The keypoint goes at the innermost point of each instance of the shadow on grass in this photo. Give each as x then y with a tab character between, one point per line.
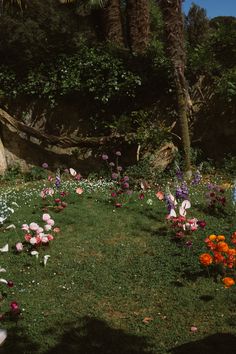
216	344
93	336
18	342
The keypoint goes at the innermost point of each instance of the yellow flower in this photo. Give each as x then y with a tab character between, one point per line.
212	237
220	238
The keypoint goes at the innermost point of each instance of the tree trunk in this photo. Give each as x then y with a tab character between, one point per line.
138	24
113	23
3	162
174	27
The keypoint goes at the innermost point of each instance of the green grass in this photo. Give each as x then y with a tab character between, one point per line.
109	270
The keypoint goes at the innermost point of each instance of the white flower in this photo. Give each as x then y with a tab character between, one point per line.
12	226
35	253
3	336
3	281
2	220
149	202
2	270
5	248
33	240
45	259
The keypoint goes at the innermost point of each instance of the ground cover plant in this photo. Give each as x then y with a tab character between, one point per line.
112	280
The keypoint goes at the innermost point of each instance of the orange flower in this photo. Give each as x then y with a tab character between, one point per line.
222	246
228	282
205	259
218	258
220	238
212	237
231	252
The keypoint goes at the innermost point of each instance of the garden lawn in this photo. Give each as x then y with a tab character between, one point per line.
115	282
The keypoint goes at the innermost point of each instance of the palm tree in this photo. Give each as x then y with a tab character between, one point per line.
138	24
174	28
109	17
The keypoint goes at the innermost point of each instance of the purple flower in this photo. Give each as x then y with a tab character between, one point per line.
58	181
125	185
126	179
182	191
104	157
179	174
196	178
118	153
45	165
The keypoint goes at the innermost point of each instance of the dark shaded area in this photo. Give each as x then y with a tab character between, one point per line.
216	344
18	342
93	336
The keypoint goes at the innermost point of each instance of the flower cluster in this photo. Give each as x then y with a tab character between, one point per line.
36	235
220	254
5	211
120	190
216	199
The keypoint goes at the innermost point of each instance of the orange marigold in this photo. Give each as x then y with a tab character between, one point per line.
228	282
222	246
205	259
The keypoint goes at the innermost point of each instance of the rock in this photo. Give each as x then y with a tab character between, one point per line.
162	157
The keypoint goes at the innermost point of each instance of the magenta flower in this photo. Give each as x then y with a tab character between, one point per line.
141	196
10	284
15	307
114	175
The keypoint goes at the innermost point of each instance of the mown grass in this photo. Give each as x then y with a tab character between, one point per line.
116	282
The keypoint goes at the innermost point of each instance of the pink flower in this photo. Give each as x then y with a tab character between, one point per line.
50	222
44	239
14	306
56	229
33	226
46	217
25	227
48	227
141	196
19	247
50	237
27	237
79	190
